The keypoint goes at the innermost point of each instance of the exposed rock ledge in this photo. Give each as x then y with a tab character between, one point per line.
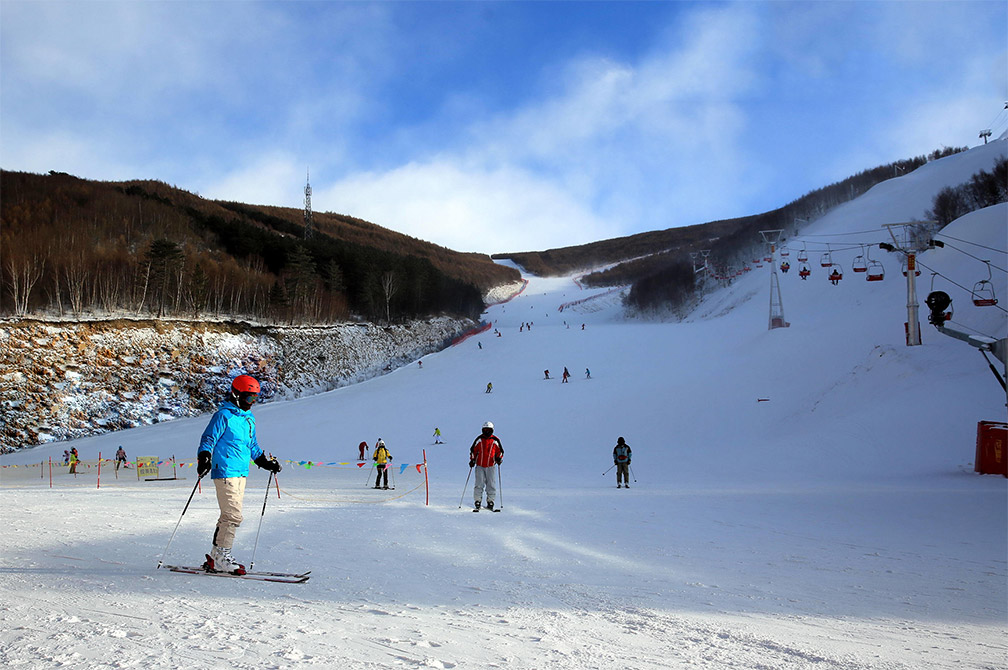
62	380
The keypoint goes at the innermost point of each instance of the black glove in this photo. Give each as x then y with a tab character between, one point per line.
498	459
203	463
472	462
271	464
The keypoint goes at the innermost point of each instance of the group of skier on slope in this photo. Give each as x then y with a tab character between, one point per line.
229	442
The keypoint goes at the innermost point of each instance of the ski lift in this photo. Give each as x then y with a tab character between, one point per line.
983	291
804	271
785	252
785	266
836	274
826	260
875	270
803	254
860	264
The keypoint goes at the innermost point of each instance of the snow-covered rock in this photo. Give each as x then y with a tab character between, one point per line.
63	380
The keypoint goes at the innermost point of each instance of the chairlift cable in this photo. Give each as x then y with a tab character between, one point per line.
1000	251
977	258
952	281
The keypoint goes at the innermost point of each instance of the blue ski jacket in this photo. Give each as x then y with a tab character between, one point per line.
230	437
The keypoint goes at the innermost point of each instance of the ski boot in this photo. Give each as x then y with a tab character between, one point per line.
490	505
477	508
220	560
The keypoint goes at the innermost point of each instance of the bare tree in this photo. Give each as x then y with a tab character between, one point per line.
75	274
389	285
24	274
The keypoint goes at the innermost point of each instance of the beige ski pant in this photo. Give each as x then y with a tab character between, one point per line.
230	492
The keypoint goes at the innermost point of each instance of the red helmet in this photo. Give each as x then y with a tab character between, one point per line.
245	384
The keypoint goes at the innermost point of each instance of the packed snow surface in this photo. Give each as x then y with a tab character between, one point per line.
801	497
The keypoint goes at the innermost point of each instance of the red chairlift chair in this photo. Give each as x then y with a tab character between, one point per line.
983	291
804	272
875	270
859	264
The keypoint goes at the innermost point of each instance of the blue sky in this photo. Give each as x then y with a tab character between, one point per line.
494	127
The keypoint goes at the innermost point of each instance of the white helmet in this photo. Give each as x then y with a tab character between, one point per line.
488	425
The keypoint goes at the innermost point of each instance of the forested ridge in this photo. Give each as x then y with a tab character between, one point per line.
76	247
658	265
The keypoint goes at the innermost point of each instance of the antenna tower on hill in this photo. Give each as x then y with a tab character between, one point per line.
309	226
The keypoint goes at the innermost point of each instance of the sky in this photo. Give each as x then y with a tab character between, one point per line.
497	126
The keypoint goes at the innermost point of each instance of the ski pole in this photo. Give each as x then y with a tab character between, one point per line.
254	546
632	473
465	487
393	476
607	471
161	562
367	481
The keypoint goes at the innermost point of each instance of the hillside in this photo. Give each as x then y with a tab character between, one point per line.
626	260
82	247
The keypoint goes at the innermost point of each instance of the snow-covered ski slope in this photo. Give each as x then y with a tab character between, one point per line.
802	498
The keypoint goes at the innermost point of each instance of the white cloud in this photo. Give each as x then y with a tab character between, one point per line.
620	147
270	180
465	209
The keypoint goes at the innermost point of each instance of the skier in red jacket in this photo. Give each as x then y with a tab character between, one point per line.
485	454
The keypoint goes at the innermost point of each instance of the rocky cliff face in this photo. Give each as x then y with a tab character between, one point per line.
63	380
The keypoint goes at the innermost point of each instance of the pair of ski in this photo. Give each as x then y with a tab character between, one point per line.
282	577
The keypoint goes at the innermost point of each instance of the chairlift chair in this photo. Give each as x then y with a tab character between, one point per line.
804	271
784	251
859	264
803	255
836	274
826	260
875	270
983	291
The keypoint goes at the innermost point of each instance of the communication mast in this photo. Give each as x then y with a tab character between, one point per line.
309	225
772	237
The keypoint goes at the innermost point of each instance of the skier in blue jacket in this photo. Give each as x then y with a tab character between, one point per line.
226	447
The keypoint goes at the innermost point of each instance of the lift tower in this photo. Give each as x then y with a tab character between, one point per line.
772	237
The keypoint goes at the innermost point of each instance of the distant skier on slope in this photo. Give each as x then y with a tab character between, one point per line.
485	454
362	447
621	455
227	445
